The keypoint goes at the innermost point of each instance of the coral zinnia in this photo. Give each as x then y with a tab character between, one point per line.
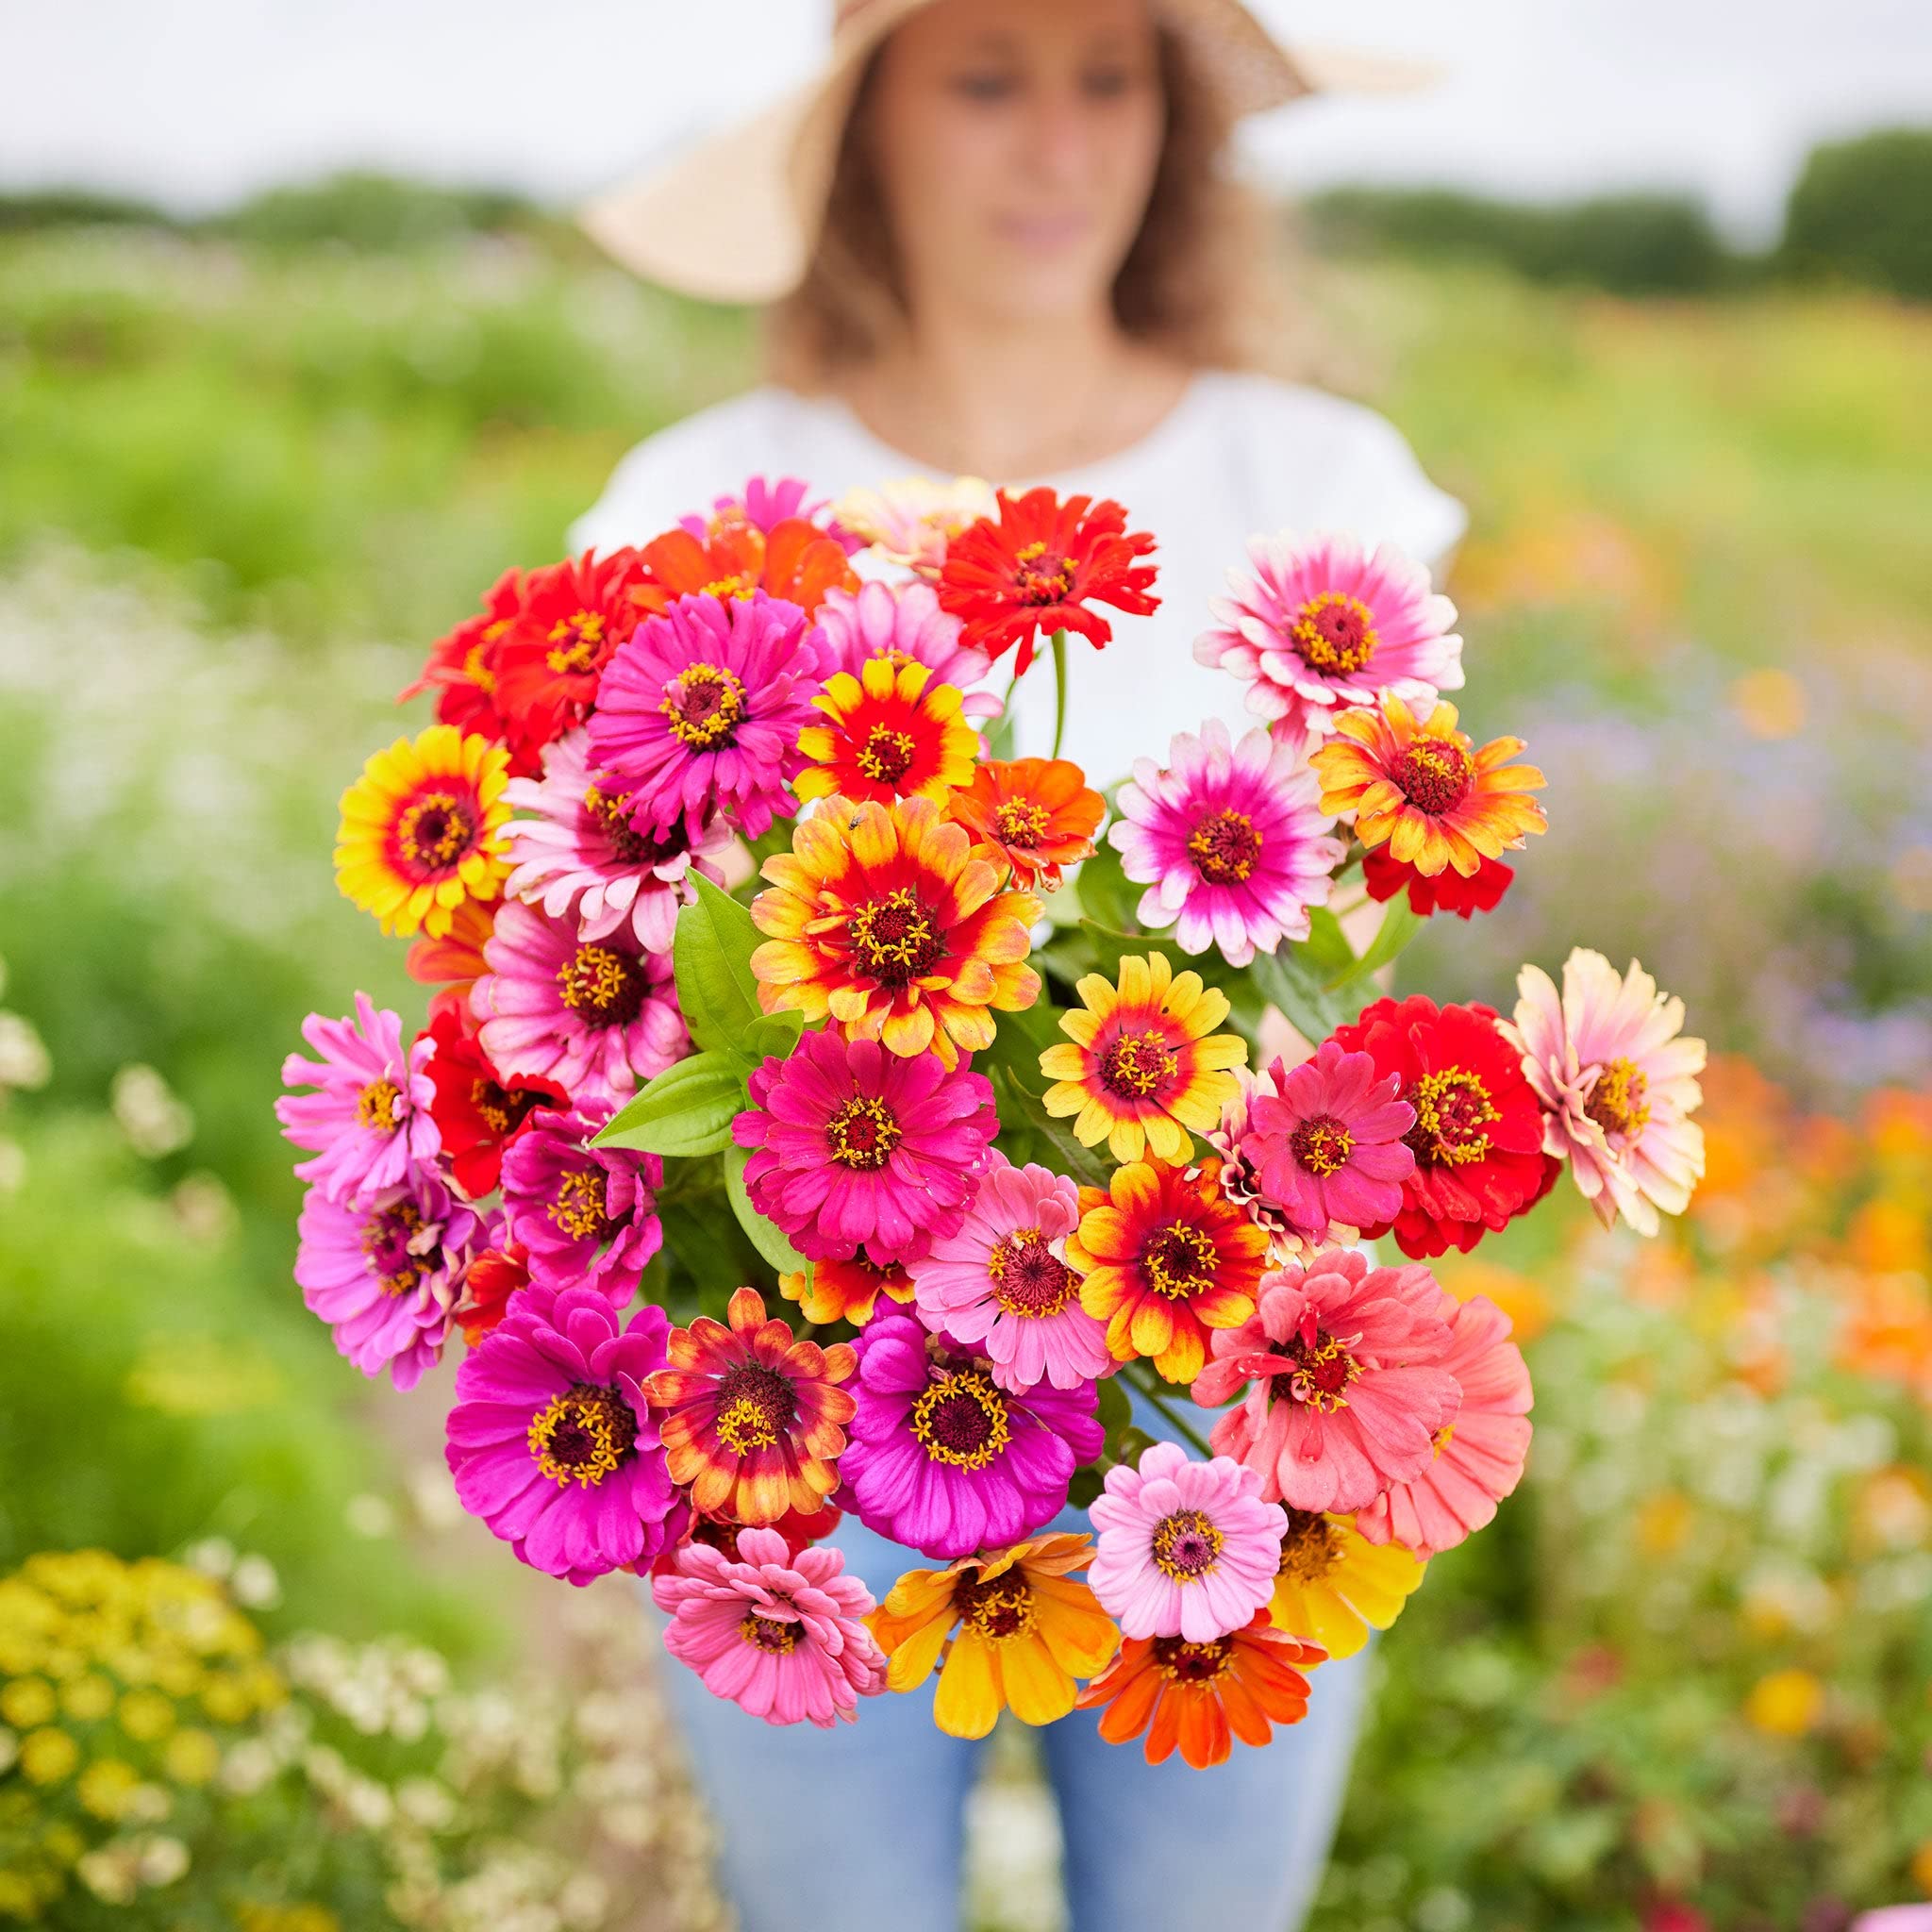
488	1283
462	663
1345	1381
854	1146
945	1461
779	1632
1145	1063
570	618
1000	1279
890	919
752	1420
550	1441
1420	786
1447	892
1038	814
904	623
1034	570
1333	1584
1201	1696
703	707
1229	840
1325	624
792	560
895	733
587	1215
847	1290
1013	1627
477	1110
1167	1256
1617	1081
1478	1132
371	1123
422	830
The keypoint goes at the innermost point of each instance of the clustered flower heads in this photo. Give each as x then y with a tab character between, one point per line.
961	1074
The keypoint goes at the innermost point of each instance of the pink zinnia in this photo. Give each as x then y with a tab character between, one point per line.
587	1215
854	1146
1347	1382
1328	1153
1001	1280
1186	1549
384	1275
906	625
942	1458
370	1122
551	1440
703	707
579	859
1230	840
1617	1081
1240	1180
781	1635
1479	1460
597	1016
1324	623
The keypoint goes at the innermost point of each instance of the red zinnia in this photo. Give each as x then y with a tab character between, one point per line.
1033	571
477	1110
462	663
574	615
1478	1133
1448	892
488	1283
795	560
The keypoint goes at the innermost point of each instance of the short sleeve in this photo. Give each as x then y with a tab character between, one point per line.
1394	501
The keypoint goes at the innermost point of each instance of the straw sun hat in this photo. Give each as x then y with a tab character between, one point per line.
736	217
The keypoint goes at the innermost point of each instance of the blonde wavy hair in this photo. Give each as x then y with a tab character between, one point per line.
1202	282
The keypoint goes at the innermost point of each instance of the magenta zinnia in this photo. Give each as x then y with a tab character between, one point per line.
587	1214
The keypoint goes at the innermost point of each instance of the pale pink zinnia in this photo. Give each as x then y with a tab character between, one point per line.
1328	1152
1617	1081
1327	623
1186	1549
904	625
1346	1381
1230	840
781	1636
1002	1280
1479	1458
578	857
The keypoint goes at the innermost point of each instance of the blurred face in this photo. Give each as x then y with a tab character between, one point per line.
1016	142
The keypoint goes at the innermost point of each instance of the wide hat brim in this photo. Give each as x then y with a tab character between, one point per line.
735	217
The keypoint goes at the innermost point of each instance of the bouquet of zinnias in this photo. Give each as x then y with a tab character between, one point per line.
763	977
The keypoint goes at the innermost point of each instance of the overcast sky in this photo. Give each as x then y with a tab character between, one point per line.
196	101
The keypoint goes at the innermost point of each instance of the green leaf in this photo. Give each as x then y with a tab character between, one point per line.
765	1237
710	953
1326	948
772	1034
1106	895
687	1110
1286	979
1082	1163
1087	1484
1020	1039
1116	1414
1399	925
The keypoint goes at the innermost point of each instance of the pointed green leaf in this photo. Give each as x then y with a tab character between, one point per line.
1068	1155
1286	979
687	1110
1399	925
765	1237
771	1035
710	953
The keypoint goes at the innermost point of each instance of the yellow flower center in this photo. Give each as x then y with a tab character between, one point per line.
774	1636
1334	632
1021	823
1434	775
1186	1545
1451	1109
893	938
579	1209
475	669
887	755
756	1408
999	1608
435	831
1225	848
704	703
1617	1103
1028	1278
577	644
389	1240
1177	1261
1182	1662
1041	578
610	811
738	587
1310	1547
1137	1066
1322	1145
1323	1368
601	987
375	1105
961	1419
582	1435
863	1135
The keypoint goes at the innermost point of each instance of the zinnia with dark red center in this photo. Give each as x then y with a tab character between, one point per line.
1038	814
587	1215
477	1110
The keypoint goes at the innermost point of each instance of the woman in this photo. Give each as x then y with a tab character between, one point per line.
996	239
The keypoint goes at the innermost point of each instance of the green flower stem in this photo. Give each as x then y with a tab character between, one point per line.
1060	689
1143	1379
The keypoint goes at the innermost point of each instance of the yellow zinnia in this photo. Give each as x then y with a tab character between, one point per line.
1333	1583
893	734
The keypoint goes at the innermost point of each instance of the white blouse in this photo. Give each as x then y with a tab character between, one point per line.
1240	455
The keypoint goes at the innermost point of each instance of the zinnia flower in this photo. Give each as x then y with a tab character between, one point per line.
1333	1584
587	1215
846	1291
752	1420
1447	892
895	734
1478	1131
579	858
1617	1082
794	560
1201	1696
454	962
381	1274
1346	1382
912	521
1034	570
703	707
1145	1063
854	1146
1421	787
1012	1625
904	623
780	1633
890	919
477	1110
764	504
422	830
1167	1257
371	1122
1229	840
1325	624
571	619
550	1441
1478	1458
1001	1280
488	1283
1240	1181
799	1529
946	1461
1330	1151
597	1016
462	663
1038	814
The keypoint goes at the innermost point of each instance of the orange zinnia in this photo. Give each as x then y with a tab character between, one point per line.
796	560
893	734
1039	813
889	919
1202	1695
829	1291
